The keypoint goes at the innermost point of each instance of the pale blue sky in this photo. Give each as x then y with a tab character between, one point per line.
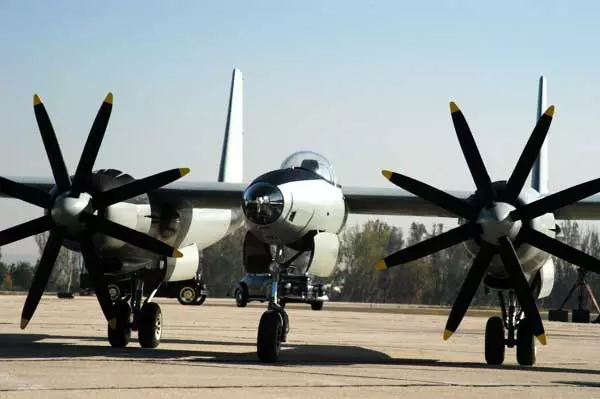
366	83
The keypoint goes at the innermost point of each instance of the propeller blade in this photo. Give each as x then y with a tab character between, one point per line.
557	200
560	249
472	156
469	288
42	275
528	156
522	288
431	245
92	146
27	229
99	281
432	194
25	193
57	163
130	236
137	187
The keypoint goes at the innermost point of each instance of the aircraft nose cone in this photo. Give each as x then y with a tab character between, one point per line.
262	203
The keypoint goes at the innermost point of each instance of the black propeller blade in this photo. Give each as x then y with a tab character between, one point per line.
472	156
528	156
68	213
469	288
431	245
522	289
432	194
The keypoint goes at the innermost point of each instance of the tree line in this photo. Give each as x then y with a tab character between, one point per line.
433	280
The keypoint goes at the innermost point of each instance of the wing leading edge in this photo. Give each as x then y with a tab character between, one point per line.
360	200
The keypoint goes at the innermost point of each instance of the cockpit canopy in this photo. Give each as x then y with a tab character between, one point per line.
311	161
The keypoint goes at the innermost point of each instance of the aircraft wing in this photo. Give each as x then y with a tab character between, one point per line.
360	200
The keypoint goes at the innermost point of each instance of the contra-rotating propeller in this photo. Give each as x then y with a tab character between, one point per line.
495	221
71	211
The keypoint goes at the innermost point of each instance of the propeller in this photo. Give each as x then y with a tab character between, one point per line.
71	211
496	220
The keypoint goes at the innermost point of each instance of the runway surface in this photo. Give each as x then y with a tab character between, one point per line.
209	351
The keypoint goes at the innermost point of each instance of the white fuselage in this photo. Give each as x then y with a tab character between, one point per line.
309	205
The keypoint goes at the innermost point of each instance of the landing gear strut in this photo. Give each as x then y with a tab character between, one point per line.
510	330
274	324
132	314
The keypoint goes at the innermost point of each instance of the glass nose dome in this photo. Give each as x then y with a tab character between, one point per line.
312	161
262	203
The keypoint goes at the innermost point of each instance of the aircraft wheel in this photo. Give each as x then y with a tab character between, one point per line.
150	325
200	300
494	341
318	305
240	298
525	344
187	295
270	333
119	337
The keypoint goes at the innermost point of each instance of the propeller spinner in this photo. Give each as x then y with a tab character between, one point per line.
71	211
496	220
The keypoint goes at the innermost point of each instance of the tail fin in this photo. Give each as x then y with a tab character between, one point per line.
539	175
231	169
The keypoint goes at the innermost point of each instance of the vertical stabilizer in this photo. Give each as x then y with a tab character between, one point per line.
231	169
539	175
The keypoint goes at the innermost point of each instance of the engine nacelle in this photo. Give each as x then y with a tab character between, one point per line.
184	268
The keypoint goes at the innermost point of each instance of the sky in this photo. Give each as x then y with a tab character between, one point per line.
365	83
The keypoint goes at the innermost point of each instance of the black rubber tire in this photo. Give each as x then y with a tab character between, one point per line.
187	294
241	300
200	300
558	315
120	337
494	341
525	344
150	325
318	305
580	316
270	333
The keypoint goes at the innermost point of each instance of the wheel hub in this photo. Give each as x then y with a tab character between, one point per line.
496	223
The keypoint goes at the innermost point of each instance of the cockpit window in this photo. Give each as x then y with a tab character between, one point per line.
311	161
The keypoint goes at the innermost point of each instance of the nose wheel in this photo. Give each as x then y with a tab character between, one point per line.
274	324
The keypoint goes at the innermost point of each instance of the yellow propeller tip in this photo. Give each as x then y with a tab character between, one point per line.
542	339
112	323
447	334
36	100
177	254
380	265
24	323
550	111
387	174
453	107
184	171
109	98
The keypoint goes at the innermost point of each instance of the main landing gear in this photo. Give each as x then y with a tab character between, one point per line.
510	330
133	315
274	324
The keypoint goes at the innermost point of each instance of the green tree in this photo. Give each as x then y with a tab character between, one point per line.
222	264
22	275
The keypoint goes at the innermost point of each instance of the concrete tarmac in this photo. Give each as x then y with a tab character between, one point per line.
209	351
